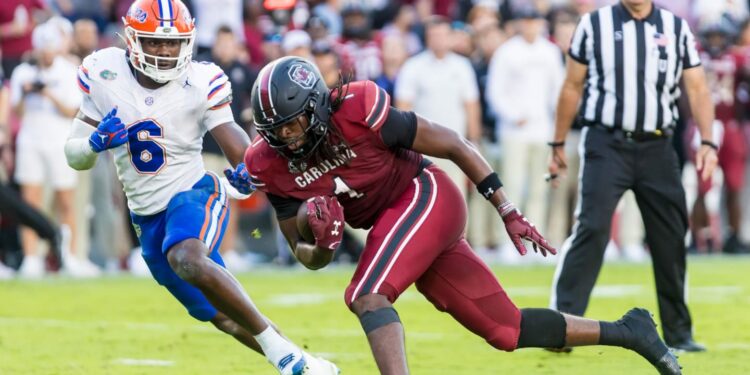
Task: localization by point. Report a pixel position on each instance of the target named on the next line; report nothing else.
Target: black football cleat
(687, 346)
(645, 341)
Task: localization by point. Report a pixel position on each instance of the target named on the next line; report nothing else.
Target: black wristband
(489, 185)
(556, 144)
(710, 144)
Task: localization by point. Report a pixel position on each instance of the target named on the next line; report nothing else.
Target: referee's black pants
(610, 165)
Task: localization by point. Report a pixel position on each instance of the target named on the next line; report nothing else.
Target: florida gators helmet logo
(138, 14)
(302, 76)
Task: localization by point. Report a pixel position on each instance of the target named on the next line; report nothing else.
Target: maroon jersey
(375, 174)
(722, 78)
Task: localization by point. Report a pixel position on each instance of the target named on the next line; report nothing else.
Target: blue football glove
(110, 133)
(240, 179)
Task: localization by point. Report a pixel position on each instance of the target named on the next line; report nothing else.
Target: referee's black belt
(631, 135)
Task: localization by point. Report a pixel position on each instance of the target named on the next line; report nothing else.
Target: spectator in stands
(65, 28)
(481, 11)
(524, 78)
(402, 28)
(297, 43)
(723, 66)
(358, 48)
(209, 18)
(16, 24)
(272, 46)
(394, 56)
(74, 10)
(328, 11)
(253, 35)
(461, 40)
(327, 61)
(85, 38)
(12, 205)
(317, 28)
(441, 85)
(45, 97)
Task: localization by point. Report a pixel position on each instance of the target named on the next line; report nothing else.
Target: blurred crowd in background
(489, 69)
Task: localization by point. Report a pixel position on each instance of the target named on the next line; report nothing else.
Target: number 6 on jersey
(147, 155)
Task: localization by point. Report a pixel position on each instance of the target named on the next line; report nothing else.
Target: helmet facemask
(140, 59)
(313, 136)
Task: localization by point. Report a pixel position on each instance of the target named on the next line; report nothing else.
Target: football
(303, 227)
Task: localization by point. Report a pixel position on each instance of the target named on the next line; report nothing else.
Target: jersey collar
(625, 15)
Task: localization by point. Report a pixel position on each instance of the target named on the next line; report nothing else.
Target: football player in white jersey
(151, 106)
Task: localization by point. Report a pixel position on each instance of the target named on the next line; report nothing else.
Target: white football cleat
(306, 365)
(319, 366)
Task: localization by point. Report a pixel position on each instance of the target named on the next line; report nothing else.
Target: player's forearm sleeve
(78, 152)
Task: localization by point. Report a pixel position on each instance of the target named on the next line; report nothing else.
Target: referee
(625, 65)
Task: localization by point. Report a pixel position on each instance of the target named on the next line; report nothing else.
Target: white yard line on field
(143, 362)
(91, 324)
(722, 346)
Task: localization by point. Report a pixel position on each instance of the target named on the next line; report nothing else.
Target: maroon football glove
(326, 219)
(520, 228)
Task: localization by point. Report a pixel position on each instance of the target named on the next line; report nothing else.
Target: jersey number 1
(342, 187)
(147, 155)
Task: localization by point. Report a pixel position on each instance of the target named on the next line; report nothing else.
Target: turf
(124, 325)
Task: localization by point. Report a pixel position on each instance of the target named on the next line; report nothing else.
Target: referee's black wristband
(489, 185)
(710, 144)
(556, 144)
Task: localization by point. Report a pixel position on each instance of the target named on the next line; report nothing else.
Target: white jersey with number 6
(162, 156)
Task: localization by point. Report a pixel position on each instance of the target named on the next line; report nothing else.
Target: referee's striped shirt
(634, 67)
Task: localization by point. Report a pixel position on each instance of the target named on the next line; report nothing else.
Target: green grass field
(124, 325)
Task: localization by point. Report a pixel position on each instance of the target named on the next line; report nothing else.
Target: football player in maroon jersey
(725, 68)
(346, 153)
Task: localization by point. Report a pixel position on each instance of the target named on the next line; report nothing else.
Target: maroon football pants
(420, 239)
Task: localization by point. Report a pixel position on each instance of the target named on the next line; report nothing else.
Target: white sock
(276, 347)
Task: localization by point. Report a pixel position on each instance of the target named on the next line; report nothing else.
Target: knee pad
(542, 328)
(372, 320)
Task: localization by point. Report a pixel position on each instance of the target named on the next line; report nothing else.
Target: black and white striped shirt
(634, 67)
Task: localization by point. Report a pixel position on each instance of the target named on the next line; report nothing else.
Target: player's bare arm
(232, 140)
(310, 255)
(86, 119)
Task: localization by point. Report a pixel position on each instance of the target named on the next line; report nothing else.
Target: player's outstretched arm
(232, 140)
(439, 141)
(78, 151)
